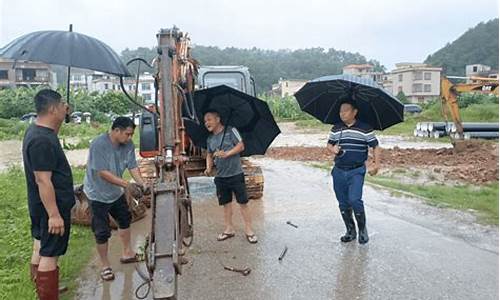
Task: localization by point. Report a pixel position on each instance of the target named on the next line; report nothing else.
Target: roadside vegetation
(15, 238)
(482, 199)
(15, 103)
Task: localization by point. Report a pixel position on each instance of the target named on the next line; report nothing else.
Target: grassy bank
(16, 242)
(483, 199)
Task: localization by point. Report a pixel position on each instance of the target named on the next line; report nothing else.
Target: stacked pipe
(471, 130)
(431, 129)
(477, 131)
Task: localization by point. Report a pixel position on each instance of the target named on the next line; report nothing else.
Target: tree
(268, 66)
(402, 97)
(478, 45)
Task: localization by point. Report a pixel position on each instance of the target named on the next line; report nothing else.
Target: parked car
(413, 108)
(76, 117)
(30, 117)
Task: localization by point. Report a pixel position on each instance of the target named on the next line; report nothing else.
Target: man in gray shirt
(109, 155)
(224, 146)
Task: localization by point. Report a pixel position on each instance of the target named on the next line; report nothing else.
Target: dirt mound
(478, 163)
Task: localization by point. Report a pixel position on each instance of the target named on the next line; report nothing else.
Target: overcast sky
(390, 31)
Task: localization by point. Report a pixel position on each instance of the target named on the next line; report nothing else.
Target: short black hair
(212, 111)
(350, 102)
(123, 123)
(46, 98)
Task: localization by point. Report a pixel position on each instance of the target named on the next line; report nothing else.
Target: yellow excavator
(449, 105)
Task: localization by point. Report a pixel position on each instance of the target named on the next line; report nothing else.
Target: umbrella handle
(225, 128)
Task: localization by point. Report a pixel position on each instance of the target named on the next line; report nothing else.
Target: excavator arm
(450, 92)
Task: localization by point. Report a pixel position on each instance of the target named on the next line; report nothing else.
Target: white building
(145, 88)
(26, 74)
(287, 87)
(364, 71)
(479, 70)
(419, 82)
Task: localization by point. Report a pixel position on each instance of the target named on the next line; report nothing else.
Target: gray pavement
(415, 251)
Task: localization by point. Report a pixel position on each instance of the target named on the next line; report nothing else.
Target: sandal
(107, 274)
(252, 238)
(224, 236)
(128, 260)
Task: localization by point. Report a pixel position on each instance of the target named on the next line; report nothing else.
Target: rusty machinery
(164, 141)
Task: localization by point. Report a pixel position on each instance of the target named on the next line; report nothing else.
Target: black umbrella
(249, 115)
(197, 132)
(66, 48)
(322, 98)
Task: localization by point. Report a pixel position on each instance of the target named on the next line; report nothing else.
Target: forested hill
(267, 66)
(478, 45)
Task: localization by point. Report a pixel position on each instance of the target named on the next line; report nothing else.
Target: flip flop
(129, 260)
(224, 236)
(252, 238)
(107, 274)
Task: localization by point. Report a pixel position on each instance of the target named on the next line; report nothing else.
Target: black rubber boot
(363, 233)
(350, 234)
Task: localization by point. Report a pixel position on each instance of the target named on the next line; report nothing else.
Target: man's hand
(335, 149)
(207, 171)
(221, 154)
(146, 189)
(135, 190)
(374, 170)
(56, 225)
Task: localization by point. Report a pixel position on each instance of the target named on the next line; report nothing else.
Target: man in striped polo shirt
(349, 141)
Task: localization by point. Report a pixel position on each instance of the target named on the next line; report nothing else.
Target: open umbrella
(323, 96)
(66, 48)
(251, 116)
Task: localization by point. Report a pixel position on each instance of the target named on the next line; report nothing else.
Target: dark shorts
(51, 245)
(226, 186)
(100, 217)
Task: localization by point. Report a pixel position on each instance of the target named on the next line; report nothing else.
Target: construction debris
(282, 255)
(245, 271)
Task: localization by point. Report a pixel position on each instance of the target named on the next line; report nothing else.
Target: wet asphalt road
(415, 251)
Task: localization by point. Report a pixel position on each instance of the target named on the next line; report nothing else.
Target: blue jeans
(348, 187)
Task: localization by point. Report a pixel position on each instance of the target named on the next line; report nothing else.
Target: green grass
(14, 129)
(16, 241)
(73, 136)
(483, 199)
(11, 129)
(405, 128)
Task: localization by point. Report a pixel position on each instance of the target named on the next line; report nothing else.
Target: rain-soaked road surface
(415, 251)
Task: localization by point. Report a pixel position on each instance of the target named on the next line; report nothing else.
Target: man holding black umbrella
(224, 145)
(355, 106)
(349, 141)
